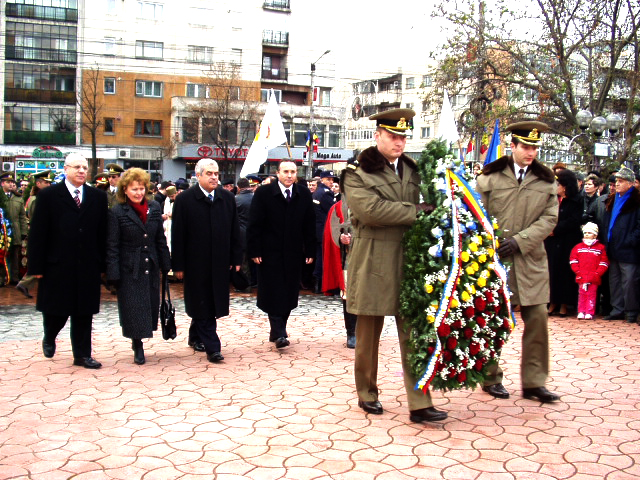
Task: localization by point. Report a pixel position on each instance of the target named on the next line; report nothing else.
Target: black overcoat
(205, 243)
(67, 246)
(566, 235)
(283, 234)
(136, 254)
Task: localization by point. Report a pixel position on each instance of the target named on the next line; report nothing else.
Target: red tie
(77, 197)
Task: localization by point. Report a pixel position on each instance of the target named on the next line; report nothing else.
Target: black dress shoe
(631, 318)
(215, 357)
(86, 362)
(49, 349)
(24, 290)
(615, 316)
(496, 390)
(427, 415)
(351, 341)
(197, 346)
(541, 393)
(374, 407)
(282, 342)
(138, 352)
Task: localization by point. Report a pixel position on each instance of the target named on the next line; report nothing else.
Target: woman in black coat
(136, 254)
(566, 235)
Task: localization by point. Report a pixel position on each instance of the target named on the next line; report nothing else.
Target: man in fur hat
(520, 192)
(382, 191)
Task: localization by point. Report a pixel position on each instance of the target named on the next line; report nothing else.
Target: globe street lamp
(596, 125)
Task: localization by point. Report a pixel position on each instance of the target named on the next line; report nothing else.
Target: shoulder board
(317, 201)
(353, 164)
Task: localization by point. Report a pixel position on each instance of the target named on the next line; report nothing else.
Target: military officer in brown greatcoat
(113, 171)
(521, 193)
(382, 190)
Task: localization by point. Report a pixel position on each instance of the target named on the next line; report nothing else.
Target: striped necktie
(77, 197)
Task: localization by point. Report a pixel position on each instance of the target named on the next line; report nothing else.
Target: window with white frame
(325, 97)
(152, 128)
(264, 95)
(236, 56)
(147, 49)
(195, 90)
(426, 80)
(109, 45)
(150, 10)
(145, 88)
(110, 85)
(200, 54)
(425, 132)
(410, 82)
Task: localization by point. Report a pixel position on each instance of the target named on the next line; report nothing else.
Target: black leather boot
(138, 351)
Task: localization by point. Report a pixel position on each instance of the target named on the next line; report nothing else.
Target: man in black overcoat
(281, 235)
(67, 248)
(205, 245)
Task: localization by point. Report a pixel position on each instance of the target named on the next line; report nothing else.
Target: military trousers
(368, 331)
(534, 364)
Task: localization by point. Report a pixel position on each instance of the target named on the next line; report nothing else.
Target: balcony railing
(39, 96)
(39, 12)
(39, 138)
(270, 37)
(277, 5)
(40, 54)
(275, 74)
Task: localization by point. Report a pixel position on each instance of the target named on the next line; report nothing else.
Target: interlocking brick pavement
(293, 414)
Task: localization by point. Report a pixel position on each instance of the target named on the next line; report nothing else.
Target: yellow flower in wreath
(464, 256)
(475, 266)
(465, 296)
(479, 239)
(471, 289)
(455, 303)
(482, 282)
(431, 318)
(491, 251)
(470, 270)
(428, 287)
(482, 258)
(473, 247)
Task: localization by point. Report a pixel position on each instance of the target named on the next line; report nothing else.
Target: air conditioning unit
(124, 153)
(53, 164)
(20, 164)
(7, 166)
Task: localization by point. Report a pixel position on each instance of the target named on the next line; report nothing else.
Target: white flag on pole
(447, 127)
(270, 135)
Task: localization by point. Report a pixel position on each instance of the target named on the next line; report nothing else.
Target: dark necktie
(288, 194)
(77, 197)
(521, 175)
(210, 196)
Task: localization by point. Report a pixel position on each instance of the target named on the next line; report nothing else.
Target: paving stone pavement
(293, 414)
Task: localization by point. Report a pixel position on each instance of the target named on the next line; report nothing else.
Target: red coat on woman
(589, 262)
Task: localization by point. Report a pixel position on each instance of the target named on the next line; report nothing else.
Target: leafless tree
(228, 113)
(90, 104)
(545, 59)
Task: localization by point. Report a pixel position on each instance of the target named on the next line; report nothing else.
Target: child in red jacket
(589, 261)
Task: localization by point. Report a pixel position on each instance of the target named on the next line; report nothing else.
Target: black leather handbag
(167, 312)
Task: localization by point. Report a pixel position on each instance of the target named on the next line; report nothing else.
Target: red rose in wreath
(452, 343)
(444, 330)
(478, 366)
(468, 333)
(468, 312)
(481, 321)
(462, 377)
(474, 348)
(489, 297)
(480, 304)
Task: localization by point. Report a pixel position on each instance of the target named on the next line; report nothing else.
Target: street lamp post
(597, 125)
(312, 128)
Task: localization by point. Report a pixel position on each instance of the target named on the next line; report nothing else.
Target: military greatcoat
(382, 209)
(528, 212)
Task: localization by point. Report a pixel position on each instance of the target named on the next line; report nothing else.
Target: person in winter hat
(588, 261)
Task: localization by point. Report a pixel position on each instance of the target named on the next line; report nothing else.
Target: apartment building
(145, 68)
